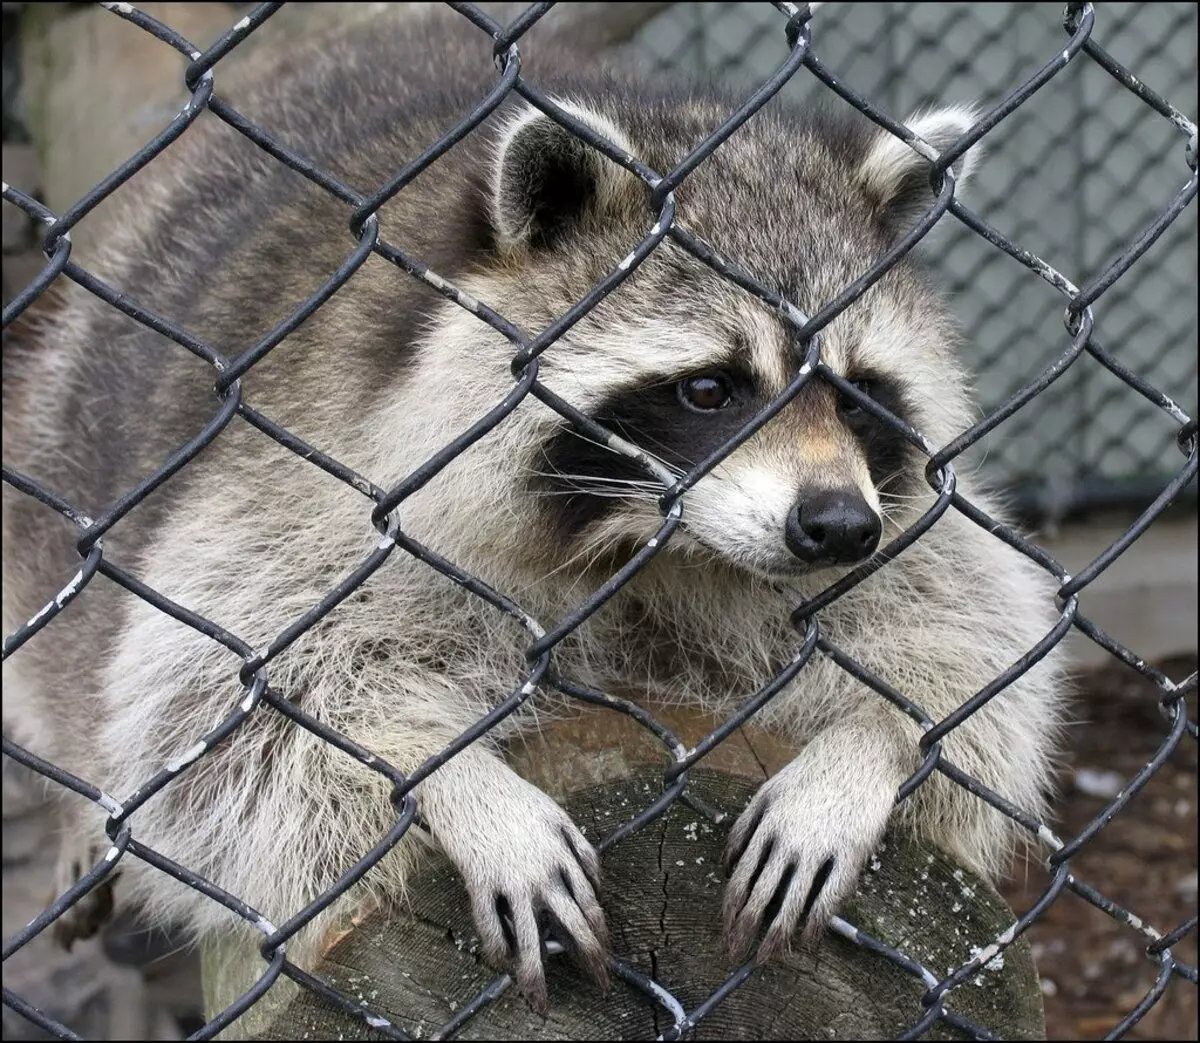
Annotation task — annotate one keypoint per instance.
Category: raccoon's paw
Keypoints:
(528, 871)
(797, 852)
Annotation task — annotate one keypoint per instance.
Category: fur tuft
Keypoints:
(896, 176)
(545, 179)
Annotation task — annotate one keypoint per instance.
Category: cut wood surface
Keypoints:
(418, 965)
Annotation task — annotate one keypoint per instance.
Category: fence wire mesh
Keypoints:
(1080, 176)
(800, 28)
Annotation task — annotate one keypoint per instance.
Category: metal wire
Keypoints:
(1086, 444)
(800, 28)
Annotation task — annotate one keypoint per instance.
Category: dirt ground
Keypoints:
(1093, 968)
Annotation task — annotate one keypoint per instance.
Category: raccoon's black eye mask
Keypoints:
(888, 452)
(681, 421)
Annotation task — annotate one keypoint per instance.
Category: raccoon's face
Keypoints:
(678, 360)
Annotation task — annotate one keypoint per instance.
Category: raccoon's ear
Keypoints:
(897, 179)
(546, 181)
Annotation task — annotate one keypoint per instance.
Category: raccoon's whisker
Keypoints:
(694, 555)
(884, 482)
(894, 497)
(597, 486)
(978, 465)
(657, 459)
(595, 546)
(909, 498)
(641, 437)
(608, 494)
(599, 479)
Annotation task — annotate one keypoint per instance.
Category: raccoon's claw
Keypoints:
(554, 898)
(796, 853)
(515, 924)
(531, 876)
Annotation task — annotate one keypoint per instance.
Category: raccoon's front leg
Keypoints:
(798, 849)
(525, 864)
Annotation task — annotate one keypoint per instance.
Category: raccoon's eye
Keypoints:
(851, 410)
(707, 393)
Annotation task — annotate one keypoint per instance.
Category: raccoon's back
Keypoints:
(224, 241)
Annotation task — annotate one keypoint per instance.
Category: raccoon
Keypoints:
(525, 217)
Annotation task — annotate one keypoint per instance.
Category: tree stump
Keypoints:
(419, 965)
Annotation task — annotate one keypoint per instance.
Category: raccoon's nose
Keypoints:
(832, 527)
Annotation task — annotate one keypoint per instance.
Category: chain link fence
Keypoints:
(1079, 173)
(809, 41)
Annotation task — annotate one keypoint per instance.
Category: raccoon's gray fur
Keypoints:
(226, 240)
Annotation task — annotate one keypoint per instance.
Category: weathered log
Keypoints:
(419, 964)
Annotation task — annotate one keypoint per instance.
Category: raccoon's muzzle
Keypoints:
(832, 527)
